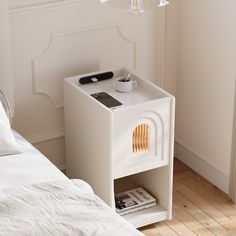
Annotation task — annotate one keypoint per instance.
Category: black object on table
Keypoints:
(106, 99)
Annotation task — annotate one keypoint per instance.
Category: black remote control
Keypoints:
(96, 77)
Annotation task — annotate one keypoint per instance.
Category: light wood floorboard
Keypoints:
(199, 208)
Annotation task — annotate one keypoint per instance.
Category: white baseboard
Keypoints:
(45, 136)
(53, 151)
(202, 167)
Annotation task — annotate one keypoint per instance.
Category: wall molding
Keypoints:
(232, 185)
(21, 9)
(195, 162)
(160, 77)
(42, 6)
(35, 7)
(54, 37)
(46, 136)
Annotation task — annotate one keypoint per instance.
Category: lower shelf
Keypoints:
(147, 216)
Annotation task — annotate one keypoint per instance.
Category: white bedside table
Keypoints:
(119, 149)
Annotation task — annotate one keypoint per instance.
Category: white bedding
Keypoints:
(28, 167)
(58, 208)
(36, 199)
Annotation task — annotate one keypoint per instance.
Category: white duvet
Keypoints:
(58, 208)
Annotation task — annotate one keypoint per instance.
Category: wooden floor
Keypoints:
(199, 208)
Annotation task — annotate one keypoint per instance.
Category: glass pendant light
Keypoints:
(135, 7)
(163, 3)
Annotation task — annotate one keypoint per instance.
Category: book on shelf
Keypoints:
(133, 200)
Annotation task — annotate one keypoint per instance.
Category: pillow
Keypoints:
(8, 144)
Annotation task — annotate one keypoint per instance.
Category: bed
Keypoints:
(36, 198)
(28, 167)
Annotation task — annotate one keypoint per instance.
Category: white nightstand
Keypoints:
(118, 149)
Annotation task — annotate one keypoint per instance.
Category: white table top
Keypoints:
(142, 93)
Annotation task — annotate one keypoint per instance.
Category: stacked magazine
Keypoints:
(133, 200)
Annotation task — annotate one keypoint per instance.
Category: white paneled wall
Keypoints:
(205, 88)
(5, 53)
(52, 40)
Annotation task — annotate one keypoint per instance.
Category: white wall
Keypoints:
(172, 42)
(54, 39)
(191, 54)
(5, 53)
(205, 87)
